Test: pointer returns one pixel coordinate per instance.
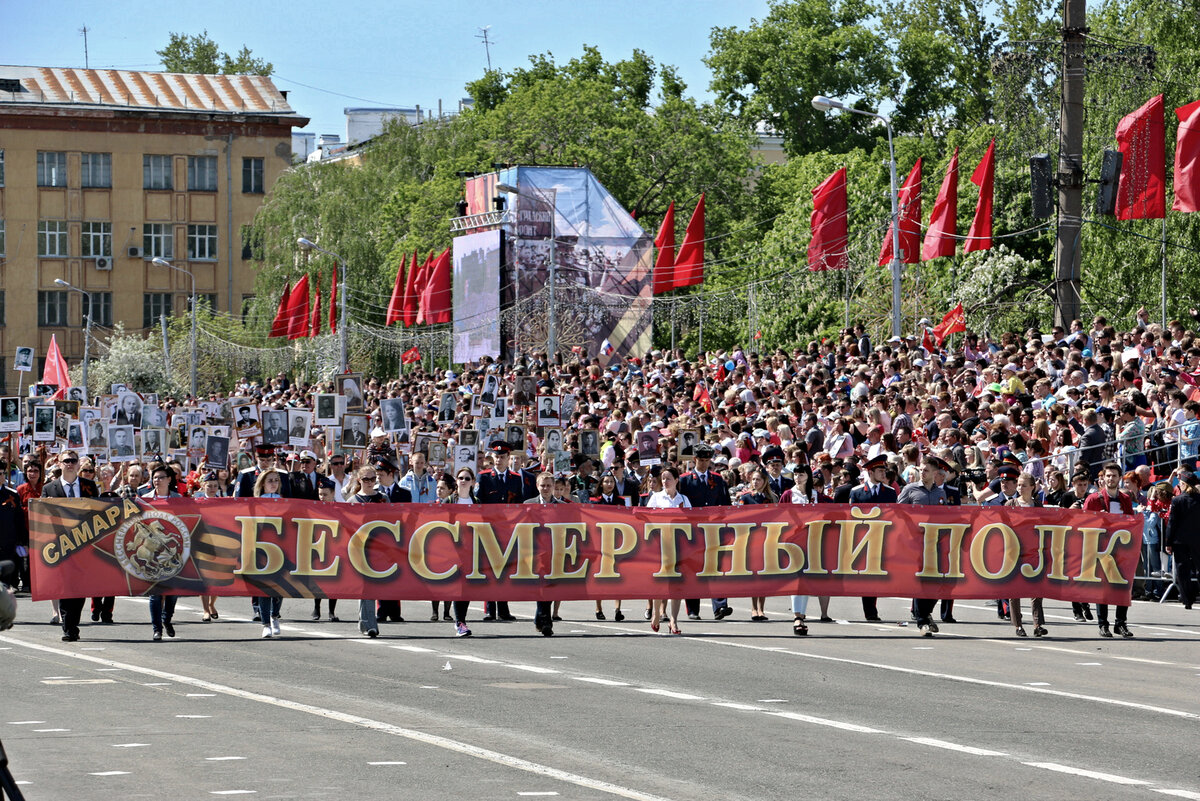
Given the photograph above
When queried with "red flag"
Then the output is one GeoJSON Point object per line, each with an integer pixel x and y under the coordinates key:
{"type": "Point", "coordinates": [395, 309]}
{"type": "Point", "coordinates": [909, 205]}
{"type": "Point", "coordinates": [701, 395]}
{"type": "Point", "coordinates": [927, 342]}
{"type": "Point", "coordinates": [333, 300]}
{"type": "Point", "coordinates": [664, 265]}
{"type": "Point", "coordinates": [55, 371]}
{"type": "Point", "coordinates": [423, 290]}
{"type": "Point", "coordinates": [827, 248]}
{"type": "Point", "coordinates": [758, 334]}
{"type": "Point", "coordinates": [410, 294]}
{"type": "Point", "coordinates": [1141, 138]}
{"type": "Point", "coordinates": [1187, 158]}
{"type": "Point", "coordinates": [721, 371]}
{"type": "Point", "coordinates": [297, 312]}
{"type": "Point", "coordinates": [439, 301]}
{"type": "Point", "coordinates": [279, 326]}
{"type": "Point", "coordinates": [410, 356]}
{"type": "Point", "coordinates": [954, 322]}
{"type": "Point", "coordinates": [980, 235]}
{"type": "Point", "coordinates": [314, 326]}
{"type": "Point", "coordinates": [689, 267]}
{"type": "Point", "coordinates": [943, 223]}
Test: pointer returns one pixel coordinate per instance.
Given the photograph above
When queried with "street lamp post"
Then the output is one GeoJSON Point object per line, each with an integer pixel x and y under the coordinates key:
{"type": "Point", "coordinates": [821, 103]}
{"type": "Point", "coordinates": [308, 244]}
{"type": "Point", "coordinates": [551, 327]}
{"type": "Point", "coordinates": [87, 331]}
{"type": "Point", "coordinates": [161, 262]}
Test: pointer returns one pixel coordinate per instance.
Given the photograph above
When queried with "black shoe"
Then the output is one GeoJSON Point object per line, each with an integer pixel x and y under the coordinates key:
{"type": "Point", "coordinates": [170, 628]}
{"type": "Point", "coordinates": [618, 615]}
{"type": "Point", "coordinates": [539, 623]}
{"type": "Point", "coordinates": [508, 618]}
{"type": "Point", "coordinates": [106, 620]}
{"type": "Point", "coordinates": [257, 617]}
{"type": "Point", "coordinates": [722, 613]}
{"type": "Point", "coordinates": [334, 619]}
{"type": "Point", "coordinates": [824, 618]}
{"type": "Point", "coordinates": [447, 617]}
{"type": "Point", "coordinates": [693, 617]}
{"type": "Point", "coordinates": [1040, 631]}
{"type": "Point", "coordinates": [600, 615]}
{"type": "Point", "coordinates": [1104, 632]}
{"type": "Point", "coordinates": [96, 616]}
{"type": "Point", "coordinates": [913, 617]}
{"type": "Point", "coordinates": [372, 633]}
{"type": "Point", "coordinates": [556, 618]}
{"type": "Point", "coordinates": [157, 636]}
{"type": "Point", "coordinates": [1021, 631]}
{"type": "Point", "coordinates": [1079, 617]}
{"type": "Point", "coordinates": [1122, 629]}
{"type": "Point", "coordinates": [875, 619]}
{"type": "Point", "coordinates": [1087, 612]}
{"type": "Point", "coordinates": [949, 619]}
{"type": "Point", "coordinates": [70, 637]}
{"type": "Point", "coordinates": [488, 618]}
{"type": "Point", "coordinates": [548, 631]}
{"type": "Point", "coordinates": [316, 615]}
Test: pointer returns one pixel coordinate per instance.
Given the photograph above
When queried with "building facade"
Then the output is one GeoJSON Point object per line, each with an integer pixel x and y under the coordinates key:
{"type": "Point", "coordinates": [103, 170]}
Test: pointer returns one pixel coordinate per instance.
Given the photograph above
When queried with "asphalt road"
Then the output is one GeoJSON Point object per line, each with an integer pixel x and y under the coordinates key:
{"type": "Point", "coordinates": [728, 710]}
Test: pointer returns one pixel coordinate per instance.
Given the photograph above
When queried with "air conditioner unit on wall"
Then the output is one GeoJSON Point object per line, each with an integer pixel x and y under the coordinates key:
{"type": "Point", "coordinates": [135, 253]}
{"type": "Point", "coordinates": [103, 263]}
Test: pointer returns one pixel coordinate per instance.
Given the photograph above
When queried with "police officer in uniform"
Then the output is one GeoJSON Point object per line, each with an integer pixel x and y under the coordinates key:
{"type": "Point", "coordinates": [926, 492]}
{"type": "Point", "coordinates": [500, 485]}
{"type": "Point", "coordinates": [704, 488]}
{"type": "Point", "coordinates": [265, 454]}
{"type": "Point", "coordinates": [873, 491]}
{"type": "Point", "coordinates": [773, 458]}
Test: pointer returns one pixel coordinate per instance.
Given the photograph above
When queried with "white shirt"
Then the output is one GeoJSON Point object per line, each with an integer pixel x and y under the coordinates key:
{"type": "Point", "coordinates": [660, 500]}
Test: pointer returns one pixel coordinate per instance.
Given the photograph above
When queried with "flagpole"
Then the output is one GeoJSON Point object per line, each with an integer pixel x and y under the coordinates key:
{"type": "Point", "coordinates": [1164, 272]}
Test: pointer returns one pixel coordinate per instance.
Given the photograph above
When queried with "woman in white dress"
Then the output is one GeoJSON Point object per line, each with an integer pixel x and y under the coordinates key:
{"type": "Point", "coordinates": [668, 498]}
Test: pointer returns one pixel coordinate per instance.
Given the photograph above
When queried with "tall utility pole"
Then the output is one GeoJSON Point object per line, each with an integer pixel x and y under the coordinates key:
{"type": "Point", "coordinates": [1070, 166]}
{"type": "Point", "coordinates": [84, 30]}
{"type": "Point", "coordinates": [487, 44]}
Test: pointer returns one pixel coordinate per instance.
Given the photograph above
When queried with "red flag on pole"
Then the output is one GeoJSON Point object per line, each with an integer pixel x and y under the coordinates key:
{"type": "Point", "coordinates": [423, 290]}
{"type": "Point", "coordinates": [314, 327]}
{"type": "Point", "coordinates": [279, 326]}
{"type": "Point", "coordinates": [940, 239]}
{"type": "Point", "coordinates": [439, 303]}
{"type": "Point", "coordinates": [664, 264]}
{"type": "Point", "coordinates": [1187, 158]}
{"type": "Point", "coordinates": [395, 309]}
{"type": "Point", "coordinates": [827, 248]}
{"type": "Point", "coordinates": [1141, 138]}
{"type": "Point", "coordinates": [333, 302]}
{"type": "Point", "coordinates": [55, 371]}
{"type": "Point", "coordinates": [689, 267]}
{"type": "Point", "coordinates": [927, 342]}
{"type": "Point", "coordinates": [297, 313]}
{"type": "Point", "coordinates": [701, 395]}
{"type": "Point", "coordinates": [410, 356]}
{"type": "Point", "coordinates": [954, 322]}
{"type": "Point", "coordinates": [410, 294]}
{"type": "Point", "coordinates": [980, 235]}
{"type": "Point", "coordinates": [910, 221]}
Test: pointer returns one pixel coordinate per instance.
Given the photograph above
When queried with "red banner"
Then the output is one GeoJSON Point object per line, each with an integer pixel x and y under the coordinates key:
{"type": "Point", "coordinates": [304, 549]}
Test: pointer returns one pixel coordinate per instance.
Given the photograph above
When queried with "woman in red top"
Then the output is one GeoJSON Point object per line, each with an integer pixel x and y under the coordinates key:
{"type": "Point", "coordinates": [32, 488]}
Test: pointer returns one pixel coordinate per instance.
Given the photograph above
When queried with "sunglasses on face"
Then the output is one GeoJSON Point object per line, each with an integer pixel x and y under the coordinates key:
{"type": "Point", "coordinates": [69, 461]}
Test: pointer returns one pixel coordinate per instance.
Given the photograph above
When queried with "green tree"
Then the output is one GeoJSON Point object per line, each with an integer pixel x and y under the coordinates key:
{"type": "Point", "coordinates": [200, 54]}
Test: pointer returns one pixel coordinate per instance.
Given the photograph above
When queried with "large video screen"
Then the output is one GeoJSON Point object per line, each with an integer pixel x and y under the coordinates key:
{"type": "Point", "coordinates": [477, 296]}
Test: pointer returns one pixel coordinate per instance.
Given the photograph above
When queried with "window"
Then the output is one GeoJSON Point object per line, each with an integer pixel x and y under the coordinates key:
{"type": "Point", "coordinates": [2, 318]}
{"type": "Point", "coordinates": [202, 173]}
{"type": "Point", "coordinates": [52, 238]}
{"type": "Point", "coordinates": [1, 167]}
{"type": "Point", "coordinates": [249, 251]}
{"type": "Point", "coordinates": [96, 240]}
{"type": "Point", "coordinates": [158, 239]}
{"type": "Point", "coordinates": [156, 172]}
{"type": "Point", "coordinates": [101, 308]}
{"type": "Point", "coordinates": [96, 170]}
{"type": "Point", "coordinates": [52, 308]}
{"type": "Point", "coordinates": [204, 299]}
{"type": "Point", "coordinates": [2, 237]}
{"type": "Point", "coordinates": [51, 168]}
{"type": "Point", "coordinates": [154, 306]}
{"type": "Point", "coordinates": [247, 306]}
{"type": "Point", "coordinates": [202, 243]}
{"type": "Point", "coordinates": [252, 176]}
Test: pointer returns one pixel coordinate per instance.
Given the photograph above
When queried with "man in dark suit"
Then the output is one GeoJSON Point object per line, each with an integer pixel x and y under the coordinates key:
{"type": "Point", "coordinates": [265, 455]}
{"type": "Point", "coordinates": [1091, 443]}
{"type": "Point", "coordinates": [949, 482]}
{"type": "Point", "coordinates": [773, 458]}
{"type": "Point", "coordinates": [72, 485]}
{"type": "Point", "coordinates": [873, 490]}
{"type": "Point", "coordinates": [704, 488]}
{"type": "Point", "coordinates": [500, 485]}
{"type": "Point", "coordinates": [305, 482]}
{"type": "Point", "coordinates": [386, 484]}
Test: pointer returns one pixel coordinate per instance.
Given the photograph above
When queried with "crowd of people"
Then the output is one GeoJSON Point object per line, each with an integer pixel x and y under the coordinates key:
{"type": "Point", "coordinates": [1091, 417]}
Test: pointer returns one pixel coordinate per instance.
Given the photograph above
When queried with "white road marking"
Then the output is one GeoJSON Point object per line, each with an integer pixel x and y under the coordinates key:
{"type": "Point", "coordinates": [111, 773]}
{"type": "Point", "coordinates": [232, 792]}
{"type": "Point", "coordinates": [416, 649]}
{"type": "Point", "coordinates": [387, 763]}
{"type": "Point", "coordinates": [836, 724]}
{"type": "Point", "coordinates": [468, 658]}
{"type": "Point", "coordinates": [48, 730]}
{"type": "Point", "coordinates": [538, 792]}
{"type": "Point", "coordinates": [737, 706]}
{"type": "Point", "coordinates": [201, 695]}
{"type": "Point", "coordinates": [93, 648]}
{"type": "Point", "coordinates": [24, 722]}
{"type": "Point", "coordinates": [772, 700]}
{"type": "Point", "coordinates": [194, 717]}
{"type": "Point", "coordinates": [107, 670]}
{"type": "Point", "coordinates": [506, 760]}
{"type": "Point", "coordinates": [558, 657]}
{"type": "Point", "coordinates": [1090, 774]}
{"type": "Point", "coordinates": [78, 681]}
{"type": "Point", "coordinates": [605, 682]}
{"type": "Point", "coordinates": [1177, 793]}
{"type": "Point", "coordinates": [156, 684]}
{"type": "Point", "coordinates": [1089, 664]}
{"type": "Point", "coordinates": [966, 749]}
{"type": "Point", "coordinates": [55, 677]}
{"type": "Point", "coordinates": [533, 668]}
{"type": "Point", "coordinates": [221, 759]}
{"type": "Point", "coordinates": [1038, 683]}
{"type": "Point", "coordinates": [669, 694]}
{"type": "Point", "coordinates": [130, 745]}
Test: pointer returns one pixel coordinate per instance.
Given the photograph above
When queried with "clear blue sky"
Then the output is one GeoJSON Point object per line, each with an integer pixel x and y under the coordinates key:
{"type": "Point", "coordinates": [382, 53]}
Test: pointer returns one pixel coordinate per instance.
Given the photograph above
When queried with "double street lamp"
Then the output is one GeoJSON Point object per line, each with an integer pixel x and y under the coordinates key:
{"type": "Point", "coordinates": [161, 262]}
{"type": "Point", "coordinates": [821, 103]}
{"type": "Point", "coordinates": [87, 331]}
{"type": "Point", "coordinates": [551, 328]}
{"type": "Point", "coordinates": [308, 244]}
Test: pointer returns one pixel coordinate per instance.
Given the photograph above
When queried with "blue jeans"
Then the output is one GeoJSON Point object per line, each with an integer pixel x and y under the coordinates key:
{"type": "Point", "coordinates": [162, 610]}
{"type": "Point", "coordinates": [367, 620]}
{"type": "Point", "coordinates": [267, 608]}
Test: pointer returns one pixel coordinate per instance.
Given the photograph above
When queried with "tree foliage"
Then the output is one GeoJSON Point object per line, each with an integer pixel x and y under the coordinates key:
{"type": "Point", "coordinates": [199, 54]}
